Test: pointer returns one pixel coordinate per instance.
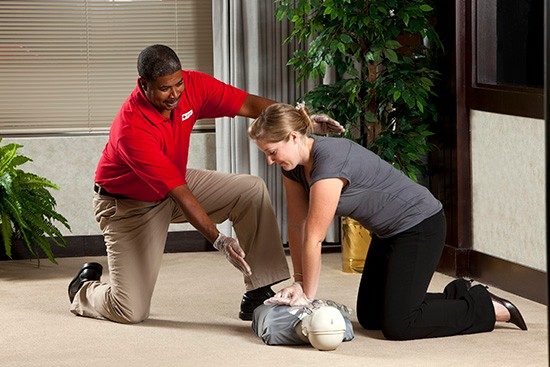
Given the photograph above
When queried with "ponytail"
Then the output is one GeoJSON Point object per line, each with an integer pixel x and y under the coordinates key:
{"type": "Point", "coordinates": [277, 121]}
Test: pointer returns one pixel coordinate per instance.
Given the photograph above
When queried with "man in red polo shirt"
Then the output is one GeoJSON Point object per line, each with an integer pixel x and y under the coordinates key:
{"type": "Point", "coordinates": [142, 185]}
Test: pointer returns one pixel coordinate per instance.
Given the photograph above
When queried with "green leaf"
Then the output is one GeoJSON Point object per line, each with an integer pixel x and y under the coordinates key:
{"type": "Point", "coordinates": [345, 38]}
{"type": "Point", "coordinates": [392, 44]}
{"type": "Point", "coordinates": [341, 48]}
{"type": "Point", "coordinates": [7, 154]}
{"type": "Point", "coordinates": [420, 105]}
{"type": "Point", "coordinates": [6, 232]}
{"type": "Point", "coordinates": [426, 8]}
{"type": "Point", "coordinates": [396, 95]}
{"type": "Point", "coordinates": [391, 55]}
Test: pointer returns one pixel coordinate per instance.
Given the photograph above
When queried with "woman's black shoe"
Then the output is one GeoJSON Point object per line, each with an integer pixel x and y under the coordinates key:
{"type": "Point", "coordinates": [515, 315]}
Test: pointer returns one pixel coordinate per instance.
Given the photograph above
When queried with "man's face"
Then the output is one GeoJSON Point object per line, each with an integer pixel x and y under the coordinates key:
{"type": "Point", "coordinates": [164, 92]}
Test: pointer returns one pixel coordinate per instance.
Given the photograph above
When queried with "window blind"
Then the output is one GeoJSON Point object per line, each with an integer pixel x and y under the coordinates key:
{"type": "Point", "coordinates": [66, 66]}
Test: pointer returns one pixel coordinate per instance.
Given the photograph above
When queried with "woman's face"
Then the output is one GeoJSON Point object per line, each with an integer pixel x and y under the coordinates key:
{"type": "Point", "coordinates": [284, 153]}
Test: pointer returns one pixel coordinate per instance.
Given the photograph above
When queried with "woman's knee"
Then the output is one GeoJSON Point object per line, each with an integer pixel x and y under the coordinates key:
{"type": "Point", "coordinates": [396, 331]}
{"type": "Point", "coordinates": [368, 320]}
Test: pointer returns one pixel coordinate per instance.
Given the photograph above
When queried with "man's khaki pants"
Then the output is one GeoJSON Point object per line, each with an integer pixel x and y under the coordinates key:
{"type": "Point", "coordinates": [135, 234]}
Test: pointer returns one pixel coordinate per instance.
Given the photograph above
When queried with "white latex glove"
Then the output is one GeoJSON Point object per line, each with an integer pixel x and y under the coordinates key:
{"type": "Point", "coordinates": [233, 252]}
{"type": "Point", "coordinates": [293, 296]}
{"type": "Point", "coordinates": [322, 124]}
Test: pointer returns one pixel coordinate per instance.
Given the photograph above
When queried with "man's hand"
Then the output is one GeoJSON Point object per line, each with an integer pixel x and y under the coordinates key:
{"type": "Point", "coordinates": [293, 296]}
{"type": "Point", "coordinates": [233, 252]}
{"type": "Point", "coordinates": [322, 124]}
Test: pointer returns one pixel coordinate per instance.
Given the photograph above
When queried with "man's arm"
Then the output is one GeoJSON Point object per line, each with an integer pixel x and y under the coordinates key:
{"type": "Point", "coordinates": [194, 212]}
{"type": "Point", "coordinates": [201, 221]}
{"type": "Point", "coordinates": [254, 105]}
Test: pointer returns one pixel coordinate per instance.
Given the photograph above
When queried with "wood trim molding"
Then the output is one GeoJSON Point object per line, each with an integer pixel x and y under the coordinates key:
{"type": "Point", "coordinates": [503, 99]}
{"type": "Point", "coordinates": [526, 102]}
{"type": "Point", "coordinates": [514, 278]}
{"type": "Point", "coordinates": [93, 245]}
{"type": "Point", "coordinates": [463, 183]}
{"type": "Point", "coordinates": [454, 261]}
{"type": "Point", "coordinates": [178, 241]}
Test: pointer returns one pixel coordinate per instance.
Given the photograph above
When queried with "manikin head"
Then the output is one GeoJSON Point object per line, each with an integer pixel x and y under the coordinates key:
{"type": "Point", "coordinates": [324, 327]}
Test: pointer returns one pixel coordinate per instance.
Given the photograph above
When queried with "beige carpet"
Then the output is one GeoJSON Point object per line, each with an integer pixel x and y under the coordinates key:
{"type": "Point", "coordinates": [194, 322]}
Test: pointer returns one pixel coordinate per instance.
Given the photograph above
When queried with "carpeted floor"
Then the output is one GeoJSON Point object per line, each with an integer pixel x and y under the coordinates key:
{"type": "Point", "coordinates": [194, 322]}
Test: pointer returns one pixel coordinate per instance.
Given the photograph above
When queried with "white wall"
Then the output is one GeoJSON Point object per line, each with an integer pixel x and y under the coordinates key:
{"type": "Point", "coordinates": [508, 188]}
{"type": "Point", "coordinates": [70, 162]}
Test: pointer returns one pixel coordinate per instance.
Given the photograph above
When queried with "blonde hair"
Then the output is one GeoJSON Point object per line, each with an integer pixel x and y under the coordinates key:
{"type": "Point", "coordinates": [277, 121]}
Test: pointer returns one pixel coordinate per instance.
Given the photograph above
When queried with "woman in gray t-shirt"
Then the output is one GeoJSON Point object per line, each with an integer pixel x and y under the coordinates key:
{"type": "Point", "coordinates": [324, 177]}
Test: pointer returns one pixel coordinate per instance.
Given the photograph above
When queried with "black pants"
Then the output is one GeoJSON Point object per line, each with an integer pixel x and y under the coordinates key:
{"type": "Point", "coordinates": [392, 293]}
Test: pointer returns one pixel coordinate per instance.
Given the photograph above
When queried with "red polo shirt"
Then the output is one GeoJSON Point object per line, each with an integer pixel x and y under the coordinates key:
{"type": "Point", "coordinates": [146, 154]}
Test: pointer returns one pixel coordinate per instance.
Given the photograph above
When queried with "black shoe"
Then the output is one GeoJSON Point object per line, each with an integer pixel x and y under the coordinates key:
{"type": "Point", "coordinates": [515, 315]}
{"type": "Point", "coordinates": [88, 272]}
{"type": "Point", "coordinates": [253, 299]}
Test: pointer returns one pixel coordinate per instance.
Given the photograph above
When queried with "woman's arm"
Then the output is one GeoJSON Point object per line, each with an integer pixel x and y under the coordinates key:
{"type": "Point", "coordinates": [297, 208]}
{"type": "Point", "coordinates": [323, 201]}
{"type": "Point", "coordinates": [308, 221]}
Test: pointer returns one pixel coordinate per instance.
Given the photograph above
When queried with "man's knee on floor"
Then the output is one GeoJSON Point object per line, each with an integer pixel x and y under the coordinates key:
{"type": "Point", "coordinates": [127, 312]}
{"type": "Point", "coordinates": [131, 317]}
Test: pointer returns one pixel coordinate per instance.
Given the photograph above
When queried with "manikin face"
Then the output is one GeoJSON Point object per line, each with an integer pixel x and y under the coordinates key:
{"type": "Point", "coordinates": [164, 92]}
{"type": "Point", "coordinates": [284, 153]}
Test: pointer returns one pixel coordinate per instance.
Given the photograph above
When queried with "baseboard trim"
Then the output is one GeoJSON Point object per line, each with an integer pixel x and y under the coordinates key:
{"type": "Point", "coordinates": [93, 245]}
{"type": "Point", "coordinates": [514, 278]}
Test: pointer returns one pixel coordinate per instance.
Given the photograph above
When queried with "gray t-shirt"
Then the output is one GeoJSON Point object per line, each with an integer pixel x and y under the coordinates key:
{"type": "Point", "coordinates": [377, 195]}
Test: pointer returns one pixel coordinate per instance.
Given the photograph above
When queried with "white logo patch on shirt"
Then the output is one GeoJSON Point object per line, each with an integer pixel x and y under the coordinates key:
{"type": "Point", "coordinates": [186, 115]}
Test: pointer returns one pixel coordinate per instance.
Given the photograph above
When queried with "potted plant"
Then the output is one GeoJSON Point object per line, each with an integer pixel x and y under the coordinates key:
{"type": "Point", "coordinates": [27, 209]}
{"type": "Point", "coordinates": [382, 55]}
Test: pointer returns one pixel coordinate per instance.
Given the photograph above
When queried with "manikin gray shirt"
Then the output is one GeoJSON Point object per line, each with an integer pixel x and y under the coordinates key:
{"type": "Point", "coordinates": [377, 195]}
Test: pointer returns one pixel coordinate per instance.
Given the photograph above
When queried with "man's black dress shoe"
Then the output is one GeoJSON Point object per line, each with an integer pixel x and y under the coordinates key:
{"type": "Point", "coordinates": [88, 272]}
{"type": "Point", "coordinates": [253, 299]}
{"type": "Point", "coordinates": [515, 315]}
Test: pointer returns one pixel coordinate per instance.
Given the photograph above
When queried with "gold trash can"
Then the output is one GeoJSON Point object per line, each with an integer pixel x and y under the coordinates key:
{"type": "Point", "coordinates": [355, 241]}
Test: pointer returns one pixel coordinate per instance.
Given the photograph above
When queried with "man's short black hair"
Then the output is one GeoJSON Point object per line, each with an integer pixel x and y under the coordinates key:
{"type": "Point", "coordinates": [157, 60]}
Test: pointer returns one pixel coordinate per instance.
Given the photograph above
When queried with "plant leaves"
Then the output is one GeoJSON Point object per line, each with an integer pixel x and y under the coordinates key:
{"type": "Point", "coordinates": [391, 54]}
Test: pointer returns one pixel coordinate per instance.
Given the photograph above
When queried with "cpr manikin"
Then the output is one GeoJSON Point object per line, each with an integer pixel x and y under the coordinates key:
{"type": "Point", "coordinates": [324, 327]}
{"type": "Point", "coordinates": [324, 324]}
